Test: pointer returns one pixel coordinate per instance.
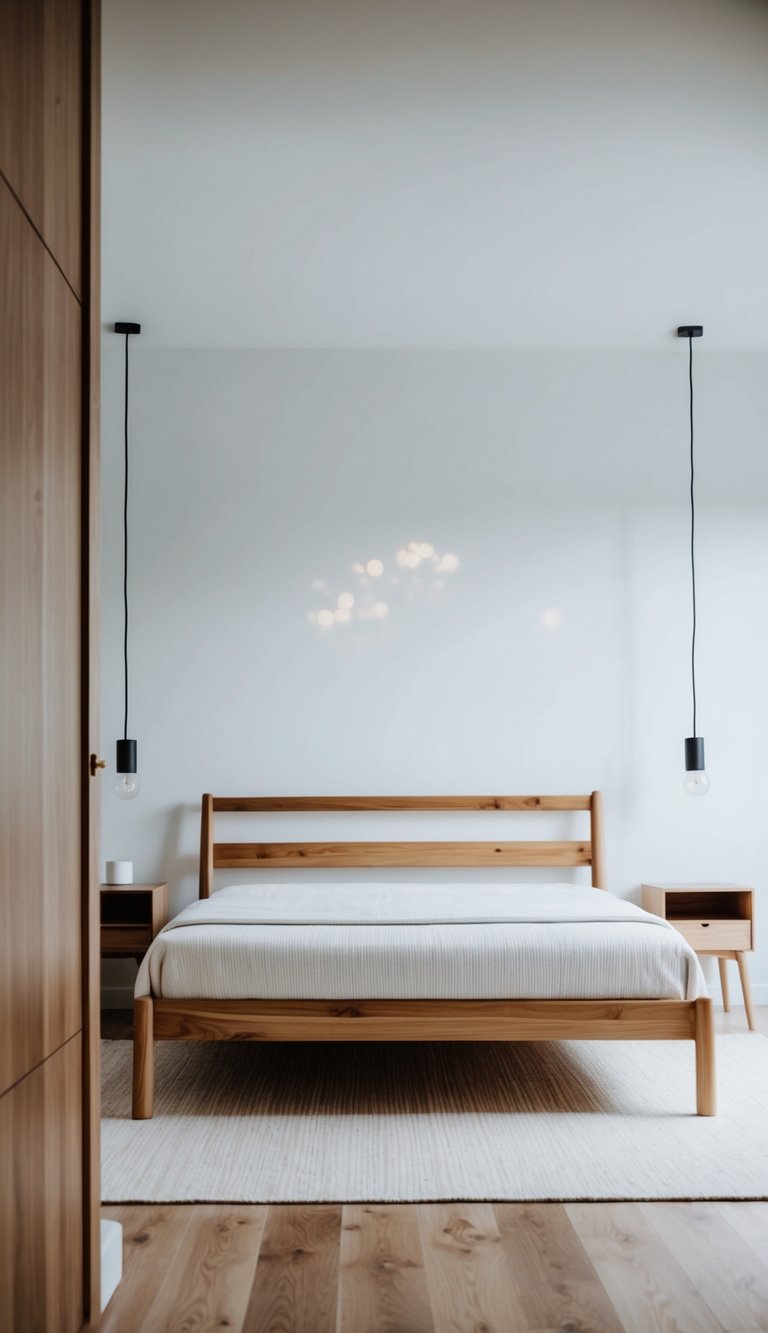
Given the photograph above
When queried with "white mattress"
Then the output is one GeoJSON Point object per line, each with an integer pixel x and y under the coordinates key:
{"type": "Point", "coordinates": [418, 941]}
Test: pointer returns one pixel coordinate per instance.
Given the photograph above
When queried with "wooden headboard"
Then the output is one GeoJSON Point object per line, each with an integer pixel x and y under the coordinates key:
{"type": "Point", "coordinates": [290, 855]}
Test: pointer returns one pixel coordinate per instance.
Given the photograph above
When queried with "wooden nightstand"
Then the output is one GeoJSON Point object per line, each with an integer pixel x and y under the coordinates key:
{"type": "Point", "coordinates": [131, 915]}
{"type": "Point", "coordinates": [716, 919]}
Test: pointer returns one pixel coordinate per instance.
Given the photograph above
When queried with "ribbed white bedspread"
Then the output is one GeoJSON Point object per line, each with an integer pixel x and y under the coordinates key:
{"type": "Point", "coordinates": [418, 941]}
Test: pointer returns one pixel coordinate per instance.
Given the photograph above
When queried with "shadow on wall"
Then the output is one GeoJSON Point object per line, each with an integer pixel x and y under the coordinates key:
{"type": "Point", "coordinates": [173, 865]}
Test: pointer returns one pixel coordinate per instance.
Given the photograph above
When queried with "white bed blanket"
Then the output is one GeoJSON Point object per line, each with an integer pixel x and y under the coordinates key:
{"type": "Point", "coordinates": [418, 941]}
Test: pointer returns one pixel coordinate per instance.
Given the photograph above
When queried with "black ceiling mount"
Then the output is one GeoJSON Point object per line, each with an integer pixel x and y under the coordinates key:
{"type": "Point", "coordinates": [123, 327]}
{"type": "Point", "coordinates": [690, 330]}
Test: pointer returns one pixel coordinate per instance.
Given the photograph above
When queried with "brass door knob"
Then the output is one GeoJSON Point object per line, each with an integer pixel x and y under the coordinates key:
{"type": "Point", "coordinates": [97, 763]}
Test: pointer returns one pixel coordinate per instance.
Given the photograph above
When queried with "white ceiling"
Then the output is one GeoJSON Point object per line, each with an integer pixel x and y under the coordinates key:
{"type": "Point", "coordinates": [436, 173]}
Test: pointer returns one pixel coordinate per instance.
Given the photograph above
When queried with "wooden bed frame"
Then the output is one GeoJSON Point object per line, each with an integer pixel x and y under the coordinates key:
{"type": "Point", "coordinates": [412, 1020]}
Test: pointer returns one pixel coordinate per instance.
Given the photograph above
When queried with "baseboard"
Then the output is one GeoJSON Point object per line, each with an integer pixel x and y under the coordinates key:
{"type": "Point", "coordinates": [759, 992]}
{"type": "Point", "coordinates": [117, 997]}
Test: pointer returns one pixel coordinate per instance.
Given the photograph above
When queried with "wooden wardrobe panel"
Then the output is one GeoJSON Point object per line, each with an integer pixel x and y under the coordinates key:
{"type": "Point", "coordinates": [49, 223]}
{"type": "Point", "coordinates": [61, 760]}
{"type": "Point", "coordinates": [21, 465]}
{"type": "Point", "coordinates": [91, 536]}
{"type": "Point", "coordinates": [40, 704]}
{"type": "Point", "coordinates": [41, 1257]}
{"type": "Point", "coordinates": [41, 94]}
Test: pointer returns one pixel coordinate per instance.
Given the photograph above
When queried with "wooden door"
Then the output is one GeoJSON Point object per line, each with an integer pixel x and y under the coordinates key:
{"type": "Point", "coordinates": [48, 451]}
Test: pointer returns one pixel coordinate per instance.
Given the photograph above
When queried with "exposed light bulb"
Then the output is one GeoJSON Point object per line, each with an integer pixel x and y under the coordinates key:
{"type": "Point", "coordinates": [696, 784]}
{"type": "Point", "coordinates": [695, 781]}
{"type": "Point", "coordinates": [127, 786]}
{"type": "Point", "coordinates": [126, 764]}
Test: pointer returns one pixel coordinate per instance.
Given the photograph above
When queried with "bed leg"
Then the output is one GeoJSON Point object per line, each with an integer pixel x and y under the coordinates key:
{"type": "Point", "coordinates": [143, 1058]}
{"type": "Point", "coordinates": [706, 1091]}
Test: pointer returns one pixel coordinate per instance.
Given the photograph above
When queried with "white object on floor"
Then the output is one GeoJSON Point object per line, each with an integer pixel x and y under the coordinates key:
{"type": "Point", "coordinates": [239, 1122]}
{"type": "Point", "coordinates": [111, 1260]}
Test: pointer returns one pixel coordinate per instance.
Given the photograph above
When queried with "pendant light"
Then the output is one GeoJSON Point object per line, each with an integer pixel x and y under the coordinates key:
{"type": "Point", "coordinates": [126, 765]}
{"type": "Point", "coordinates": [695, 781]}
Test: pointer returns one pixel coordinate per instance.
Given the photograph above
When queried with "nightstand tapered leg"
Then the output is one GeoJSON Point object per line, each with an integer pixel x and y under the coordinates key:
{"type": "Point", "coordinates": [746, 990]}
{"type": "Point", "coordinates": [722, 963]}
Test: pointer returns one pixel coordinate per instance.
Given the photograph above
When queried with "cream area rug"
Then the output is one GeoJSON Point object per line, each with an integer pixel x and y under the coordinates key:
{"type": "Point", "coordinates": [244, 1123]}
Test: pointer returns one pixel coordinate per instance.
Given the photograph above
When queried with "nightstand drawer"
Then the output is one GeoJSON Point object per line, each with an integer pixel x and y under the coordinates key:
{"type": "Point", "coordinates": [716, 934]}
{"type": "Point", "coordinates": [130, 938]}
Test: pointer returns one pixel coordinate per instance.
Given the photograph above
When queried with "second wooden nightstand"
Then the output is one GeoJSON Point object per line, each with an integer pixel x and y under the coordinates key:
{"type": "Point", "coordinates": [131, 916]}
{"type": "Point", "coordinates": [716, 919]}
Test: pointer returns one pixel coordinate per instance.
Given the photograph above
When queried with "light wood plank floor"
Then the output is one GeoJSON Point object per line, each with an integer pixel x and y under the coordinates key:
{"type": "Point", "coordinates": [484, 1268]}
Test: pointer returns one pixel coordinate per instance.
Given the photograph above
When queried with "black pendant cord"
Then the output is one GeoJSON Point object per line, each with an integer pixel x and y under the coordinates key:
{"type": "Point", "coordinates": [125, 551]}
{"type": "Point", "coordinates": [693, 535]}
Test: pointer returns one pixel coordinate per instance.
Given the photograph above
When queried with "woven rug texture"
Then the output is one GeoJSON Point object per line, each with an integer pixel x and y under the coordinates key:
{"type": "Point", "coordinates": [243, 1122]}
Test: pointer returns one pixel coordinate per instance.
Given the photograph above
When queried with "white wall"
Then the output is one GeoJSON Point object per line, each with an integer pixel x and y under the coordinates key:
{"type": "Point", "coordinates": [558, 480]}
{"type": "Point", "coordinates": [436, 173]}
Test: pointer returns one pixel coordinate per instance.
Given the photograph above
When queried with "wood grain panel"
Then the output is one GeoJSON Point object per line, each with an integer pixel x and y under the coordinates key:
{"type": "Point", "coordinates": [21, 724]}
{"type": "Point", "coordinates": [418, 1020]}
{"type": "Point", "coordinates": [257, 804]}
{"type": "Point", "coordinates": [210, 1284]}
{"type": "Point", "coordinates": [143, 1058]}
{"type": "Point", "coordinates": [206, 847]}
{"type": "Point", "coordinates": [723, 1270]}
{"type": "Point", "coordinates": [290, 855]}
{"type": "Point", "coordinates": [748, 1220]}
{"type": "Point", "coordinates": [41, 120]}
{"type": "Point", "coordinates": [152, 1238]}
{"type": "Point", "coordinates": [40, 462]}
{"type": "Point", "coordinates": [706, 1074]}
{"type": "Point", "coordinates": [127, 940]}
{"type": "Point", "coordinates": [297, 1273]}
{"type": "Point", "coordinates": [60, 760]}
{"type": "Point", "coordinates": [49, 221]}
{"type": "Point", "coordinates": [91, 629]}
{"type": "Point", "coordinates": [293, 855]}
{"type": "Point", "coordinates": [382, 1283]}
{"type": "Point", "coordinates": [470, 1284]}
{"type": "Point", "coordinates": [597, 832]}
{"type": "Point", "coordinates": [41, 1256]}
{"type": "Point", "coordinates": [638, 1271]}
{"type": "Point", "coordinates": [707, 936]}
{"type": "Point", "coordinates": [558, 1286]}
